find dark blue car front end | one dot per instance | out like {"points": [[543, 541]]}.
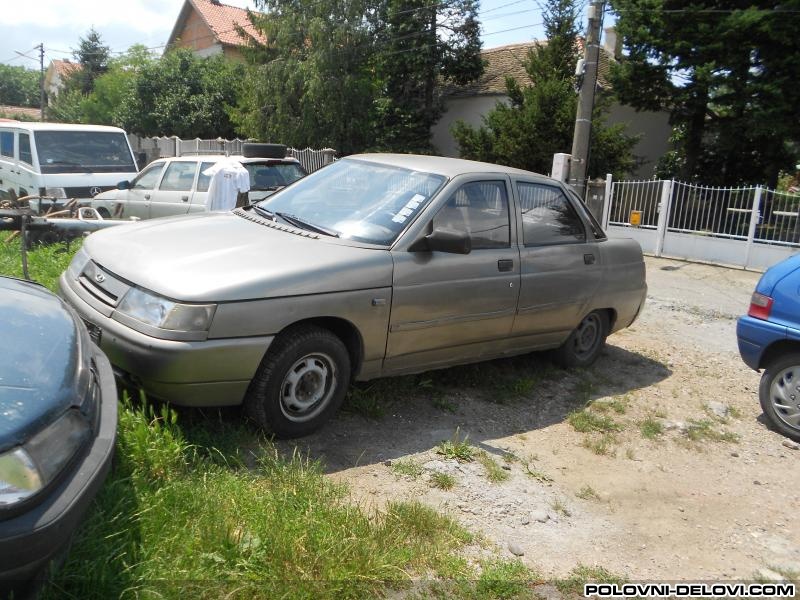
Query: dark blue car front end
{"points": [[769, 338]]}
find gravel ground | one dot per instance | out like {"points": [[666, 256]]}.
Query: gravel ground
{"points": [[711, 494]]}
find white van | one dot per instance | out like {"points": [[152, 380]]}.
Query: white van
{"points": [[62, 160]]}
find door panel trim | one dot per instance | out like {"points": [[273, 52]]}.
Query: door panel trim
{"points": [[412, 325]]}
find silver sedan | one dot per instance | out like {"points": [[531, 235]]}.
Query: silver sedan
{"points": [[375, 265]]}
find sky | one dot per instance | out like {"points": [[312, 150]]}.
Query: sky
{"points": [[58, 24]]}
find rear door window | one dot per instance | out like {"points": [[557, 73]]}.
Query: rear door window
{"points": [[548, 216], [179, 177]]}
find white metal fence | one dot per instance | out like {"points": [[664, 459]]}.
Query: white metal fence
{"points": [[161, 147], [752, 227]]}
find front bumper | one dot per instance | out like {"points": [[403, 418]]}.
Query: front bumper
{"points": [[214, 372], [30, 540], [754, 336]]}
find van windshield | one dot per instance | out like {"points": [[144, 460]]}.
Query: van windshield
{"points": [[83, 151]]}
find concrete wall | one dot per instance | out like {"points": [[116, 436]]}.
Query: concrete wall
{"points": [[197, 36], [655, 130], [653, 127], [470, 110]]}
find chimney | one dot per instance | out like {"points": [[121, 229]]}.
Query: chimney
{"points": [[612, 43]]}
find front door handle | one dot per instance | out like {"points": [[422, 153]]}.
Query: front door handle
{"points": [[505, 264], [588, 259], [147, 196], [185, 198]]}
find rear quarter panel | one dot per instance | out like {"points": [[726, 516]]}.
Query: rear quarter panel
{"points": [[623, 286]]}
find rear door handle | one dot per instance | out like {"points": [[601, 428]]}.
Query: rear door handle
{"points": [[147, 196], [185, 198], [505, 264], [588, 259]]}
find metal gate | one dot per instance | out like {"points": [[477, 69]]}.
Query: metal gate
{"points": [[751, 227]]}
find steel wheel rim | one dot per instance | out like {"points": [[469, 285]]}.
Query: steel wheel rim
{"points": [[307, 387], [587, 335], [784, 396]]}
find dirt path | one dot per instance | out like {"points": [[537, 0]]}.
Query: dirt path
{"points": [[708, 497]]}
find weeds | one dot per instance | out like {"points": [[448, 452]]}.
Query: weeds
{"points": [[456, 448], [560, 508], [585, 421], [443, 481], [407, 467], [581, 575], [602, 445], [504, 579], [703, 430], [494, 472], [587, 493], [651, 428]]}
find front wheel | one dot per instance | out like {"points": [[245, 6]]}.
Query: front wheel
{"points": [[779, 394], [301, 382], [584, 344]]}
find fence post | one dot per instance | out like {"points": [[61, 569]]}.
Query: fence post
{"points": [[607, 197], [663, 214], [177, 141], [755, 215]]}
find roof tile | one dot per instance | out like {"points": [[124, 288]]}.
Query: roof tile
{"points": [[223, 20]]}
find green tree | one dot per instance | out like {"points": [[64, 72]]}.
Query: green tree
{"points": [[311, 83], [111, 90], [179, 94], [19, 86], [93, 56], [423, 45], [539, 119], [726, 71]]}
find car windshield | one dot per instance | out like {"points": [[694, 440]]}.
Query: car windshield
{"points": [[357, 200], [267, 177], [83, 151]]}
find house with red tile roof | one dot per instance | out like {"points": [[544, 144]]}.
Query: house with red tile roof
{"points": [[58, 71], [208, 27]]}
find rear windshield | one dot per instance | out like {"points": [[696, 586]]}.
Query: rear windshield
{"points": [[83, 152]]}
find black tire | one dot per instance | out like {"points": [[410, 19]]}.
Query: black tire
{"points": [[321, 366], [103, 212], [779, 394], [260, 150], [585, 343]]}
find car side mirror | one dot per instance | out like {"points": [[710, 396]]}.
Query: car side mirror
{"points": [[124, 185], [442, 239]]}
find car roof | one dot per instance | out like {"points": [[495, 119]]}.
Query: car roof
{"points": [[218, 157], [62, 127], [441, 165]]}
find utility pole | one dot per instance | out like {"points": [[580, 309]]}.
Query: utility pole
{"points": [[583, 117], [41, 79]]}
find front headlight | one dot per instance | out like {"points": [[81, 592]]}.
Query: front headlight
{"points": [[78, 263], [166, 314], [27, 469]]}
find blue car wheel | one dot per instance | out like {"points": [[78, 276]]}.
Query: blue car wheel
{"points": [[779, 394]]}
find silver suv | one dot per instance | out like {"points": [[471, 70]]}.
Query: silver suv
{"points": [[177, 186]]}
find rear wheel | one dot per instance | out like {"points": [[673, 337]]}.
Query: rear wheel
{"points": [[779, 394], [103, 212], [584, 344], [300, 383]]}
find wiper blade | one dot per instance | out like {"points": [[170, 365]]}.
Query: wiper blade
{"points": [[298, 222], [263, 212]]}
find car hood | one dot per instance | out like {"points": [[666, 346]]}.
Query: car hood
{"points": [[109, 195], [39, 345], [224, 257]]}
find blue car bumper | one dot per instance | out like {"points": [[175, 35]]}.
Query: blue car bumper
{"points": [[755, 336]]}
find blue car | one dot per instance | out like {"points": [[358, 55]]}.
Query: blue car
{"points": [[769, 339], [58, 422]]}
